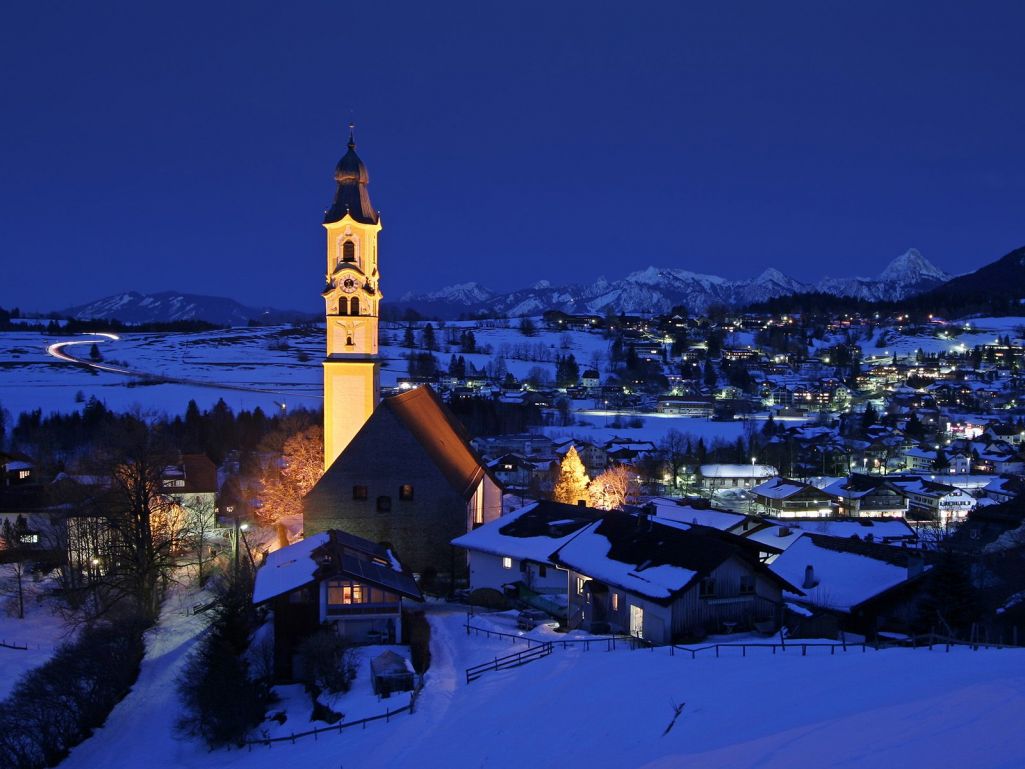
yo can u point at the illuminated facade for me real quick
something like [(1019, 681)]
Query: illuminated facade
[(352, 298)]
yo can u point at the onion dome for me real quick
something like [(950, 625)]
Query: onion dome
[(352, 196)]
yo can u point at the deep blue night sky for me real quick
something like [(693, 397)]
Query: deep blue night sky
[(190, 146)]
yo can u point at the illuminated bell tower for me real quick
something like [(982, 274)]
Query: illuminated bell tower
[(352, 299)]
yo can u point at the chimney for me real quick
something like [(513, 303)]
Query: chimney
[(810, 580), (782, 531)]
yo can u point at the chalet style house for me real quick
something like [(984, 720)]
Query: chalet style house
[(333, 578), (867, 495), (514, 553), (785, 498), (410, 479), (663, 582)]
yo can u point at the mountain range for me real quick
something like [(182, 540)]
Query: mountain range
[(171, 306), (655, 290), (909, 278)]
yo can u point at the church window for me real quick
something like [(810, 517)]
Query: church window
[(406, 492), (348, 251), (384, 504), (343, 306), (359, 493), (354, 306), (348, 341)]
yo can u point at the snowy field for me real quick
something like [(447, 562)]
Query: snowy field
[(42, 630), (278, 366), (872, 710)]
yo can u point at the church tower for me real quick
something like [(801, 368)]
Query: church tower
[(352, 299)]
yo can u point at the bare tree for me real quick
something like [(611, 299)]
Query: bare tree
[(614, 488), (200, 523), (673, 449), (16, 556), (286, 479)]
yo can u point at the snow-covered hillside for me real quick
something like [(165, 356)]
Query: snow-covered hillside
[(658, 290), (601, 709)]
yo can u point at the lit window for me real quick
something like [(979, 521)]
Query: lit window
[(359, 493), (615, 602), (406, 492), (581, 581), (506, 562), (343, 593)]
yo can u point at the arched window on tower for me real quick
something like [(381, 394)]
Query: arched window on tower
[(348, 341), (343, 306), (348, 251), (354, 306)]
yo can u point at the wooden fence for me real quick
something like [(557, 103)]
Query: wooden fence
[(409, 707), (611, 643), (509, 661), (13, 645)]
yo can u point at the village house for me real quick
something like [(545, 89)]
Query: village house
[(741, 476), (664, 582), (685, 406), (932, 501), (786, 498), (864, 587), (337, 579), (514, 553), (871, 496)]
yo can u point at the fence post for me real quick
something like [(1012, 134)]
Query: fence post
[(717, 651), (804, 650)]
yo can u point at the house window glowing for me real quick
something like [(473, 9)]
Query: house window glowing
[(341, 593), (406, 492), (581, 581), (478, 505), (615, 602), (506, 562), (23, 474)]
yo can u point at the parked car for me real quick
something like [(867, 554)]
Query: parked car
[(528, 619)]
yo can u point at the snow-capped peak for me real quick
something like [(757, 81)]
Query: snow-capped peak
[(910, 267)]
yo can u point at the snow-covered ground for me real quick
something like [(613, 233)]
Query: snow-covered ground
[(894, 708), (42, 630)]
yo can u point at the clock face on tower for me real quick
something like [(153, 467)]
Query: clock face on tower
[(349, 285)]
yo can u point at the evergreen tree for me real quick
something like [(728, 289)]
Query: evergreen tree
[(869, 417), (94, 353), (941, 462), (527, 327), (710, 376), (571, 485), (408, 339), (428, 340)]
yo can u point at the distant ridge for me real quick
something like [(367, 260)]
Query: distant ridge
[(658, 289), (171, 306)]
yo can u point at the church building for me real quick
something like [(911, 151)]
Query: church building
[(399, 471)]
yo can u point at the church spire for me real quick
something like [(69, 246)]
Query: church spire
[(352, 196)]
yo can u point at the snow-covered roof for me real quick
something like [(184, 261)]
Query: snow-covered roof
[(738, 471), (532, 533), (845, 579), (671, 510), (880, 529), (781, 488), (288, 569), (589, 553)]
